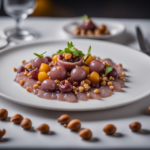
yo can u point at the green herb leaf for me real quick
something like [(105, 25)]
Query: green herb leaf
[(39, 55), (108, 69), (89, 53), (76, 66), (84, 17), (71, 49)]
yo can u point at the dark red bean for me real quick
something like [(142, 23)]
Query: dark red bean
[(112, 73), (34, 74), (65, 87)]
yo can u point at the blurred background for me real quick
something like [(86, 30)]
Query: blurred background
[(94, 8)]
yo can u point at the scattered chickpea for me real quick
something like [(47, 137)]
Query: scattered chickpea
[(29, 74), (43, 128), (102, 28), (38, 82), (88, 95), (26, 73), (35, 86), (123, 74), (68, 56), (109, 129), (23, 61), (82, 32), (111, 87), (82, 83), (16, 119), (74, 88), (96, 91), (26, 123), (135, 126), (66, 81), (105, 79), (15, 70), (77, 31), (64, 119), (86, 134), (2, 133), (58, 68), (75, 92), (111, 78), (28, 66), (22, 82), (109, 83), (28, 89), (74, 125), (103, 83), (87, 81), (57, 81), (120, 77), (119, 65), (149, 109), (89, 33), (3, 114), (81, 89)]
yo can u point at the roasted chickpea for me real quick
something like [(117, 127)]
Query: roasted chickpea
[(85, 134), (135, 126), (43, 128), (74, 125), (64, 119), (26, 123), (102, 28), (109, 129), (3, 114)]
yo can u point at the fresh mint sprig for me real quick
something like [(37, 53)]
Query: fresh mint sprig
[(84, 17), (108, 69), (39, 55), (71, 49), (89, 53)]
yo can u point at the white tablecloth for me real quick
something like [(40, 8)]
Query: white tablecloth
[(60, 137)]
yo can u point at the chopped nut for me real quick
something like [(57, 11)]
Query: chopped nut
[(86, 134), (29, 74), (103, 75), (22, 82), (15, 70), (28, 66), (25, 73), (82, 82), (3, 114), (16, 119), (105, 63), (102, 28), (75, 92), (74, 88), (68, 56), (111, 87), (35, 86), (120, 77), (105, 79), (119, 65), (74, 125), (64, 119), (66, 81), (109, 129), (96, 91), (86, 87), (109, 83), (57, 81), (77, 31), (38, 82), (28, 89), (103, 83), (81, 89), (111, 78), (26, 123), (23, 61), (58, 68), (88, 95), (123, 74), (87, 81)]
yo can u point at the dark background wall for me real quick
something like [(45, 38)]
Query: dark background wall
[(94, 8)]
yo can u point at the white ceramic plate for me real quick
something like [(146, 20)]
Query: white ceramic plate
[(136, 63), (115, 29)]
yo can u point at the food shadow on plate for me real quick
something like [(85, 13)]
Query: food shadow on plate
[(7, 119), (92, 140), (143, 132), (117, 135), (32, 129), (3, 140)]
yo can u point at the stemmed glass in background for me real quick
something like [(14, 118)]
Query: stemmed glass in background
[(19, 10)]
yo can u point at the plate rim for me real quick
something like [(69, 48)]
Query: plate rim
[(147, 93), (95, 37)]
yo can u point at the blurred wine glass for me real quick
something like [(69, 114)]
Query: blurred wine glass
[(19, 10)]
